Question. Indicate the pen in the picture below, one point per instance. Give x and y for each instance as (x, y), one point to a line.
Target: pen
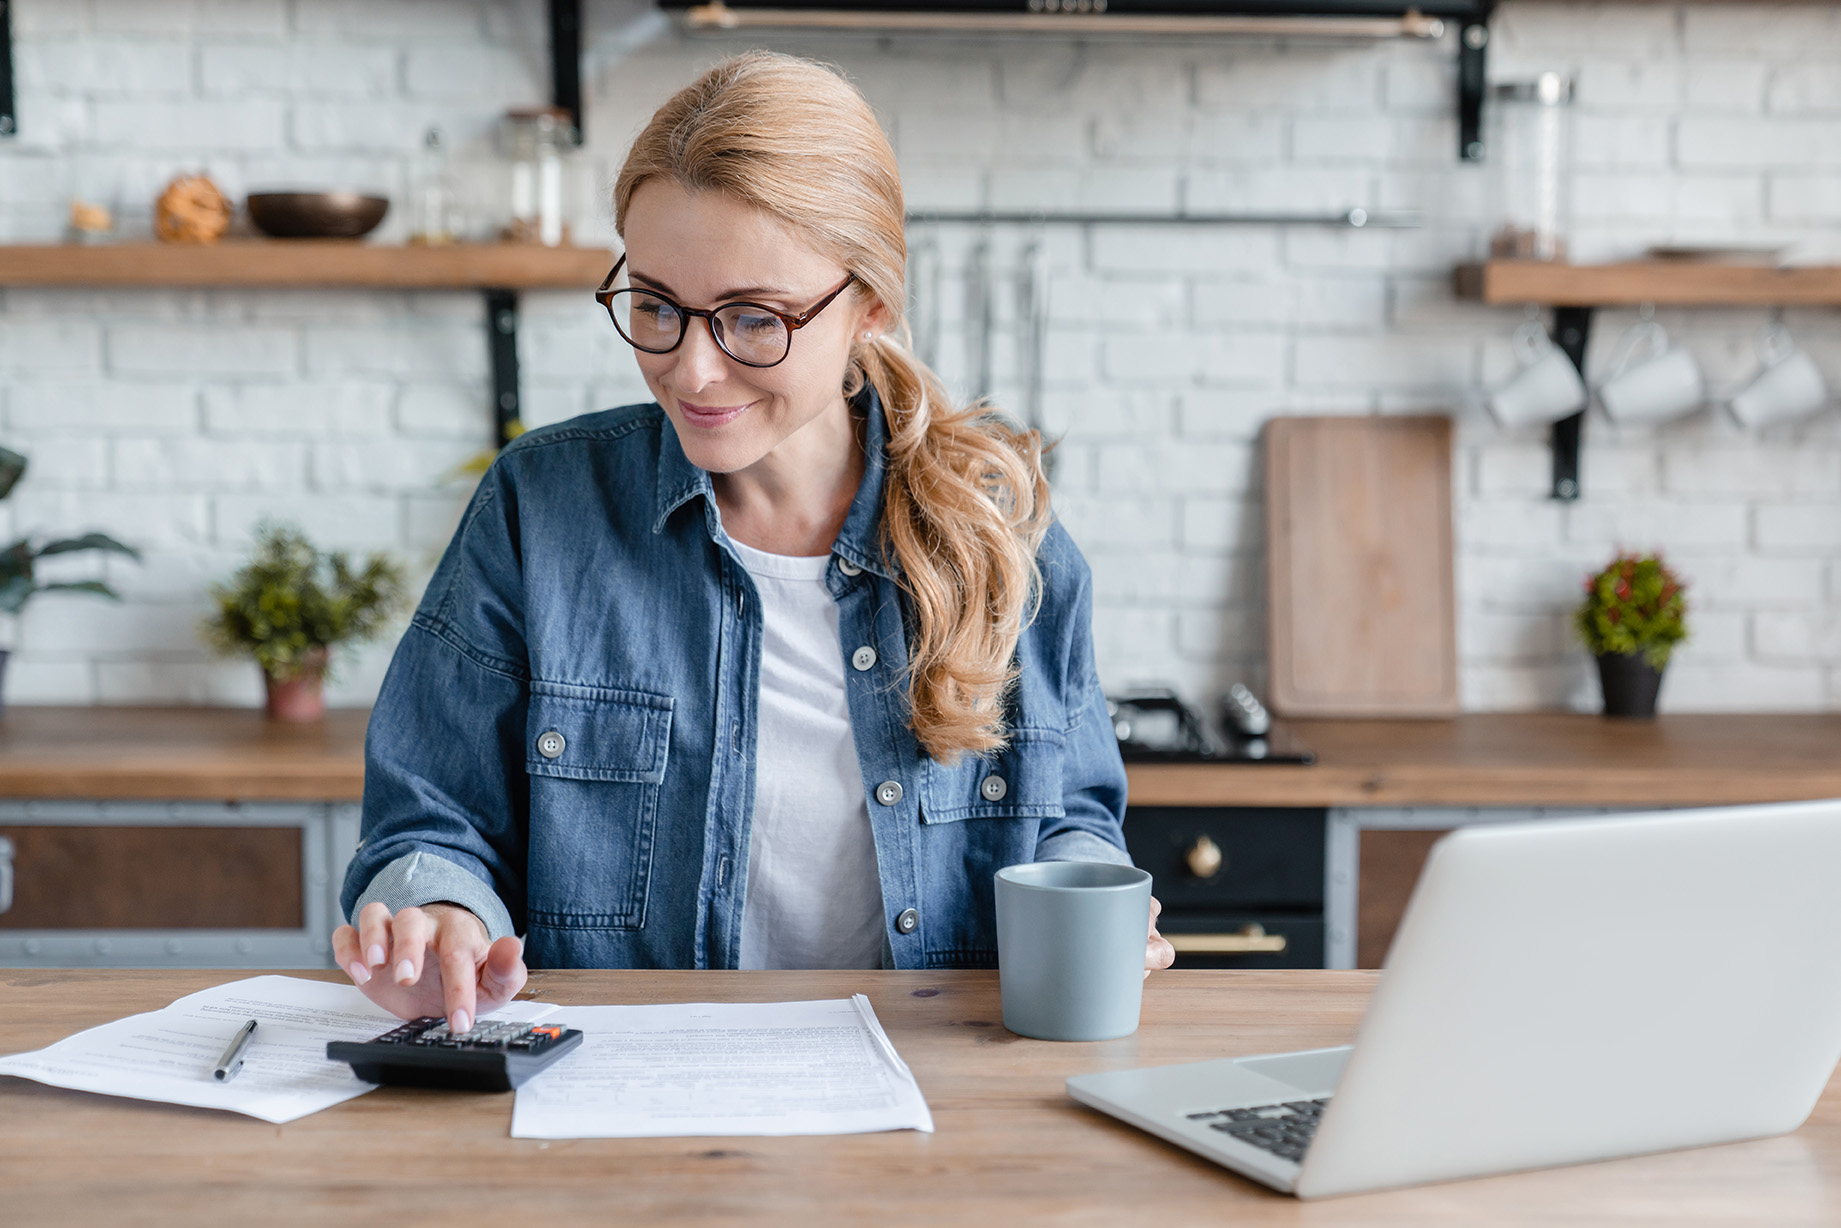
(232, 1061)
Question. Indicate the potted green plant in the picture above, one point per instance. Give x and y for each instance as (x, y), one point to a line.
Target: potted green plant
(291, 604)
(19, 580)
(1633, 615)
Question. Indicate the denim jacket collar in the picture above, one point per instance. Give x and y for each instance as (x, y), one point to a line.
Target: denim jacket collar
(680, 481)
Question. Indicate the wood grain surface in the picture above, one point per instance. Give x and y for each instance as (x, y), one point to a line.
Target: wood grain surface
(182, 754)
(147, 877)
(1010, 1148)
(1526, 759)
(1663, 282)
(1506, 759)
(1362, 615)
(306, 262)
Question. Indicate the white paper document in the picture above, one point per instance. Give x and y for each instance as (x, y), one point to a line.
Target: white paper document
(169, 1054)
(723, 1068)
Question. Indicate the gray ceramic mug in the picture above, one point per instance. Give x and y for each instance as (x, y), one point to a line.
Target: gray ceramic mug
(1070, 948)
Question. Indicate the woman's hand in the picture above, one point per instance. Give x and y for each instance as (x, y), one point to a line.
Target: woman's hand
(1158, 953)
(432, 960)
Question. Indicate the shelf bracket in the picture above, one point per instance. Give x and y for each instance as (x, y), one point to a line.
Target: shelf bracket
(9, 113)
(502, 344)
(1472, 57)
(566, 60)
(1572, 328)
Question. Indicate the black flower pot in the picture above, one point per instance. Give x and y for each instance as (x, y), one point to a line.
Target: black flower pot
(1630, 684)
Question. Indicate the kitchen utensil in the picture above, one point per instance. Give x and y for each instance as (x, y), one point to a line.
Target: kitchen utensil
(1789, 386)
(1361, 608)
(1664, 386)
(316, 215)
(1546, 388)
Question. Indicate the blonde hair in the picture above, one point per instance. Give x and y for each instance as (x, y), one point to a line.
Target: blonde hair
(965, 499)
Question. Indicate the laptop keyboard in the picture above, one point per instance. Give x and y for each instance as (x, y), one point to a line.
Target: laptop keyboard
(1283, 1129)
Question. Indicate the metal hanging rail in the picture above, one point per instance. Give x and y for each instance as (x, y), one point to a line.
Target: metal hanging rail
(1355, 219)
(1077, 17)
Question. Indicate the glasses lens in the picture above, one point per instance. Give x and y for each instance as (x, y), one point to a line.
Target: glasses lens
(752, 335)
(648, 321)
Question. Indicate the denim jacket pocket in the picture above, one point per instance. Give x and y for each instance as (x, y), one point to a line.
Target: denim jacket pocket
(1021, 781)
(596, 759)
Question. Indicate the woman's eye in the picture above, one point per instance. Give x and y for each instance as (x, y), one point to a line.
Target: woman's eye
(655, 311)
(755, 324)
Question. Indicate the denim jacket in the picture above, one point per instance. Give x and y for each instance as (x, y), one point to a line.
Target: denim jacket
(564, 742)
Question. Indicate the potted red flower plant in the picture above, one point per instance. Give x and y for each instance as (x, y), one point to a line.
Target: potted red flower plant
(1633, 615)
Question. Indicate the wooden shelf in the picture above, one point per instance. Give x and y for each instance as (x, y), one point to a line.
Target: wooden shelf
(1664, 283)
(326, 263)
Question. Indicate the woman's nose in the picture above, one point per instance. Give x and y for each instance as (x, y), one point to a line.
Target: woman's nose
(701, 361)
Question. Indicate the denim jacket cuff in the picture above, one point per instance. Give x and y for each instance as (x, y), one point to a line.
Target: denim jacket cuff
(1081, 846)
(424, 878)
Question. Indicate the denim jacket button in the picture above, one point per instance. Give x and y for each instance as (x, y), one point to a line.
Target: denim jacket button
(551, 744)
(888, 793)
(908, 921)
(847, 567)
(863, 658)
(994, 788)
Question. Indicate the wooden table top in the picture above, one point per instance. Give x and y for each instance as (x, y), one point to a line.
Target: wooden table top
(1009, 1146)
(1518, 759)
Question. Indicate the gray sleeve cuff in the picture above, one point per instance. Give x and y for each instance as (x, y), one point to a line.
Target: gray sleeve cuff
(424, 878)
(1081, 846)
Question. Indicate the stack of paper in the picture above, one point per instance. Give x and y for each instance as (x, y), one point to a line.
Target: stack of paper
(642, 1071)
(169, 1054)
(723, 1068)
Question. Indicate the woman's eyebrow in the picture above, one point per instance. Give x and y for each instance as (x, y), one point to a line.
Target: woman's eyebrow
(725, 296)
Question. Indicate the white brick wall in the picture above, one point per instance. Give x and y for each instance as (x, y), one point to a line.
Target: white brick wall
(176, 419)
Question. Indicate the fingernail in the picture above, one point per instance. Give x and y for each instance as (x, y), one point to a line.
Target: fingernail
(405, 973)
(359, 972)
(459, 1022)
(375, 955)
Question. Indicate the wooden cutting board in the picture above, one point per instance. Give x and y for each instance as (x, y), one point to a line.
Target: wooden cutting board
(1360, 603)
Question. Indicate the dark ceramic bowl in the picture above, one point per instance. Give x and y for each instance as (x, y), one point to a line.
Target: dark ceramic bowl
(316, 215)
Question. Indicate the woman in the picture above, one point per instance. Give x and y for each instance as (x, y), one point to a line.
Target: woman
(774, 673)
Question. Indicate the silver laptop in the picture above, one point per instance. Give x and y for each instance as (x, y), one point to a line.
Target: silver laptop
(1558, 992)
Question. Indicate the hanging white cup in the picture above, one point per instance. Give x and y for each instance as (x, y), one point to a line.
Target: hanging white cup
(1663, 386)
(1546, 389)
(1789, 386)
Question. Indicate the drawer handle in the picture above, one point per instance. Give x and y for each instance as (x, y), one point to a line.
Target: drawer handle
(1251, 940)
(1204, 858)
(6, 874)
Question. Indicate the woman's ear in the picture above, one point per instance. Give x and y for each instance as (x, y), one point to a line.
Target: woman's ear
(874, 319)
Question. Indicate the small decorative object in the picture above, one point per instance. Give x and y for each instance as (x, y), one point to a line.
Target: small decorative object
(538, 145)
(1528, 133)
(291, 604)
(1633, 616)
(316, 215)
(18, 581)
(90, 223)
(191, 210)
(431, 200)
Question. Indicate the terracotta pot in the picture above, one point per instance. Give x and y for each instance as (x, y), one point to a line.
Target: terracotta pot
(1630, 685)
(301, 697)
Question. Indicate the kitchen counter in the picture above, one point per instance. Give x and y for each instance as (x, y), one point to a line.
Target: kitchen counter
(1510, 759)
(1525, 759)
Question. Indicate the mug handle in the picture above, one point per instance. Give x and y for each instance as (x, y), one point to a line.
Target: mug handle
(1774, 344)
(1531, 341)
(1637, 334)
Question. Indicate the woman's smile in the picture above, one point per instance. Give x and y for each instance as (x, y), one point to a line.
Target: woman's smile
(711, 416)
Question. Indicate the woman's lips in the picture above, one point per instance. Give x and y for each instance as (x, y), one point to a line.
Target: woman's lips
(711, 415)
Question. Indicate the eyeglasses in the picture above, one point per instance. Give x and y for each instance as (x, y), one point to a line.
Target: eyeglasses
(751, 333)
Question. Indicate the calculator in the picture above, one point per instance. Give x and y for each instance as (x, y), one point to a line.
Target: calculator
(488, 1057)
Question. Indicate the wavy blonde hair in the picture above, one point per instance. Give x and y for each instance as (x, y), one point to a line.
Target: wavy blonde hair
(965, 499)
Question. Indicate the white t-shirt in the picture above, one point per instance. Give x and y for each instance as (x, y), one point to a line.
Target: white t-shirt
(814, 896)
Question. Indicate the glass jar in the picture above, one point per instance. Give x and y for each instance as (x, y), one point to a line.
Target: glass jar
(432, 216)
(538, 147)
(1528, 138)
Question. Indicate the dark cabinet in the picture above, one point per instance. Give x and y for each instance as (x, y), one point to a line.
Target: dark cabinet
(1241, 887)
